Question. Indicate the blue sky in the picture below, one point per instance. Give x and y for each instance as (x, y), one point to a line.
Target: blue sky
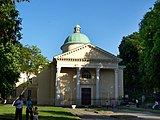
(47, 23)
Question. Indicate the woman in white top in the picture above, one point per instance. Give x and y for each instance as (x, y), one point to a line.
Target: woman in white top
(19, 106)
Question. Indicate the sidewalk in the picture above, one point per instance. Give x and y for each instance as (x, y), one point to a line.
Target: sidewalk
(122, 114)
(90, 114)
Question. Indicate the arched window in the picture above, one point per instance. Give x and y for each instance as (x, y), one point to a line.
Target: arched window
(86, 74)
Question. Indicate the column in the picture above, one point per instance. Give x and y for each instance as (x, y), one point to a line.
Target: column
(63, 98)
(57, 103)
(97, 87)
(78, 86)
(122, 85)
(71, 95)
(116, 83)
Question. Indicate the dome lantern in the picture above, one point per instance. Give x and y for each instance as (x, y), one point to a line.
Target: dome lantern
(77, 29)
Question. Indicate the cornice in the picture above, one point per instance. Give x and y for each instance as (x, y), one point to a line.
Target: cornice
(86, 60)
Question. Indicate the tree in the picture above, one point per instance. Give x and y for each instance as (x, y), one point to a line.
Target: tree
(9, 22)
(129, 50)
(150, 33)
(32, 60)
(10, 67)
(9, 46)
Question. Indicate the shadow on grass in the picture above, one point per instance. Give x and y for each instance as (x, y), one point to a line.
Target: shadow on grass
(62, 115)
(55, 118)
(58, 112)
(9, 117)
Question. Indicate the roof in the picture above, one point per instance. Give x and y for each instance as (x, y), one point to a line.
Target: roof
(77, 37)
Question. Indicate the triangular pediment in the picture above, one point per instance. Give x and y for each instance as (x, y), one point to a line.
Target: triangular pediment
(88, 51)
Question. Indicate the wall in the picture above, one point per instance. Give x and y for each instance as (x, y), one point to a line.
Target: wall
(107, 85)
(46, 79)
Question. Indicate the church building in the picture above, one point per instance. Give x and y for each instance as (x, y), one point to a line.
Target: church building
(82, 75)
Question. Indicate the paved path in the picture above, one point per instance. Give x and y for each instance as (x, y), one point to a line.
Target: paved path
(97, 114)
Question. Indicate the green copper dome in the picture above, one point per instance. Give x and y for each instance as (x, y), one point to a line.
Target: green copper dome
(77, 37)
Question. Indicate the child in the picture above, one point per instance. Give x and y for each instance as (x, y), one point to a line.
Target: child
(35, 113)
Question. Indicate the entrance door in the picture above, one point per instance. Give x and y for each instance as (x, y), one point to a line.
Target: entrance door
(86, 96)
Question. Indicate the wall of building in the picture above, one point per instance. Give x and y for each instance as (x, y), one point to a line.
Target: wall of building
(120, 87)
(107, 85)
(45, 91)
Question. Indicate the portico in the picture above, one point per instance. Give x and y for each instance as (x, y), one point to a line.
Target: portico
(92, 84)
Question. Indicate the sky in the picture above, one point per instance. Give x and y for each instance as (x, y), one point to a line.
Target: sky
(47, 23)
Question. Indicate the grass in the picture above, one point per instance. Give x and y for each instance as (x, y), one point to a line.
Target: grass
(45, 113)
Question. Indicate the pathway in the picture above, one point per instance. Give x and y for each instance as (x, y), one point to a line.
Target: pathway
(123, 114)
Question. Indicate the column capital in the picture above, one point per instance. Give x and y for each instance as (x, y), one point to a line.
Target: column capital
(97, 69)
(58, 67)
(116, 70)
(79, 68)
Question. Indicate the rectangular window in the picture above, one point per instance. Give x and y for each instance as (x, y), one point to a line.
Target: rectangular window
(24, 79)
(30, 79)
(29, 92)
(14, 93)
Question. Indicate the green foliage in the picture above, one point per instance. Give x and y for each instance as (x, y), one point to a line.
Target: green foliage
(9, 22)
(9, 46)
(150, 33)
(140, 53)
(10, 67)
(130, 49)
(22, 0)
(32, 60)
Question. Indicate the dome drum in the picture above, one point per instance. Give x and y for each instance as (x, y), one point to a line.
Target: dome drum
(68, 47)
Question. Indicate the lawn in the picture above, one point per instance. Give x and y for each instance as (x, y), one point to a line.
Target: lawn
(45, 113)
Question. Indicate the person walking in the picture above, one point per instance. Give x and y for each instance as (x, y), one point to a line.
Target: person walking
(107, 104)
(19, 106)
(113, 103)
(29, 109)
(137, 103)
